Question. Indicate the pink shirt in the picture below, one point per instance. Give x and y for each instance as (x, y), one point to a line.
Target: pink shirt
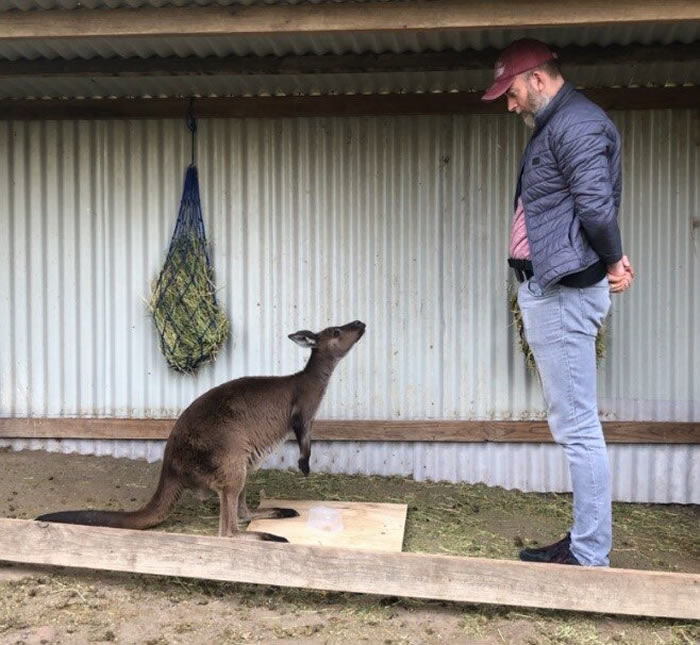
(519, 249)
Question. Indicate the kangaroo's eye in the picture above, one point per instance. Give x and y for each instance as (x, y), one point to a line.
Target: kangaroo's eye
(336, 333)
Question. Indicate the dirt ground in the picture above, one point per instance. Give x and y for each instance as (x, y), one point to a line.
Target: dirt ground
(59, 605)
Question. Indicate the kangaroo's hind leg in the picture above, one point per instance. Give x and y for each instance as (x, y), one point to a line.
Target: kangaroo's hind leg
(245, 514)
(229, 495)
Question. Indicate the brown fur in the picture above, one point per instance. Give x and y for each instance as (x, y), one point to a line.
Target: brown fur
(224, 434)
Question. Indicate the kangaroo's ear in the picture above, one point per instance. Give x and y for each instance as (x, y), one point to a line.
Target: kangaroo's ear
(305, 338)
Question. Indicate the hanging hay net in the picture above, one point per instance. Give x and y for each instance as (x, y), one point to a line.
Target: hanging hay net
(191, 326)
(600, 341)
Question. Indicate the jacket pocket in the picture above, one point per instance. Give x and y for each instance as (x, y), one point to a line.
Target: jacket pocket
(577, 237)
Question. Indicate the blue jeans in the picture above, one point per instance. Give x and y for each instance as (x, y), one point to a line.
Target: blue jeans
(561, 324)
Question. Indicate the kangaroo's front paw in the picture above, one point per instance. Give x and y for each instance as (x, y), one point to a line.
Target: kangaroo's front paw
(304, 465)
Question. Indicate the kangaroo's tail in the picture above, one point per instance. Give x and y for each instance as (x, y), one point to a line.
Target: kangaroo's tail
(153, 513)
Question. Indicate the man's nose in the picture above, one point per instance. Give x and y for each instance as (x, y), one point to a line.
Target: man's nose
(512, 104)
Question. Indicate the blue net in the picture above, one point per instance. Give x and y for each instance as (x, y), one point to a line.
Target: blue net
(189, 321)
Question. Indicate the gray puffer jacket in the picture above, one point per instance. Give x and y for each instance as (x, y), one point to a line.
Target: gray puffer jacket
(570, 182)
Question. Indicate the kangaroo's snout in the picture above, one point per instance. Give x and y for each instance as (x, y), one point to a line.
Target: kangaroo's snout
(347, 335)
(355, 327)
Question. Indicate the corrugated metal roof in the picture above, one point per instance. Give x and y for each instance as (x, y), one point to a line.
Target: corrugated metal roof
(335, 44)
(319, 44)
(345, 43)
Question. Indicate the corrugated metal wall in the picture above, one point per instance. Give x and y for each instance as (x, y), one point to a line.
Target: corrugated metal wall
(654, 366)
(401, 222)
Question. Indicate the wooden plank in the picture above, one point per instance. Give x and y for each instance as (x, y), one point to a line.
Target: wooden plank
(498, 431)
(244, 107)
(247, 107)
(413, 575)
(366, 63)
(358, 430)
(645, 98)
(637, 98)
(84, 428)
(432, 430)
(349, 525)
(329, 18)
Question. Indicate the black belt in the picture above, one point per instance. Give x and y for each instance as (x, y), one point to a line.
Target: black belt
(522, 268)
(585, 278)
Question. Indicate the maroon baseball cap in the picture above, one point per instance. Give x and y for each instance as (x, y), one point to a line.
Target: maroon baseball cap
(520, 56)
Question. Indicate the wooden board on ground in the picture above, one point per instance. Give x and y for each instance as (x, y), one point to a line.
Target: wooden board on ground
(411, 575)
(353, 525)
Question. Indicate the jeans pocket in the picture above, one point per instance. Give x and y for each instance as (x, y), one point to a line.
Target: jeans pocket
(533, 288)
(537, 292)
(595, 302)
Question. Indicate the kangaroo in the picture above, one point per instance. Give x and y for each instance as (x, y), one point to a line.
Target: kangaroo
(226, 433)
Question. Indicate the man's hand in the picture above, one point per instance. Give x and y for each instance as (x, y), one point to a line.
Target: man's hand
(620, 275)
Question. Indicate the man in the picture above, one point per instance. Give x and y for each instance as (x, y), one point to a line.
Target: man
(567, 254)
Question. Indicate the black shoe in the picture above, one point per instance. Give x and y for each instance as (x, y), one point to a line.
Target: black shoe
(552, 553)
(566, 558)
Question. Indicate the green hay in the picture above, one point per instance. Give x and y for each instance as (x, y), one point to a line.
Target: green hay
(600, 341)
(191, 326)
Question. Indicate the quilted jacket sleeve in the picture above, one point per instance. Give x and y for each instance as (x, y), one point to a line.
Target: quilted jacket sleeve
(586, 152)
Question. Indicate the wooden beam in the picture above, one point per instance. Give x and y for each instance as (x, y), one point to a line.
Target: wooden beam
(637, 98)
(330, 18)
(645, 98)
(359, 430)
(245, 107)
(497, 431)
(413, 575)
(85, 428)
(367, 63)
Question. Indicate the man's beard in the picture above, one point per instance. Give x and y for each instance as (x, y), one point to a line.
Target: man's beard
(535, 103)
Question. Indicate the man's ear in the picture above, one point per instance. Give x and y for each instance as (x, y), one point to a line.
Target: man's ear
(537, 80)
